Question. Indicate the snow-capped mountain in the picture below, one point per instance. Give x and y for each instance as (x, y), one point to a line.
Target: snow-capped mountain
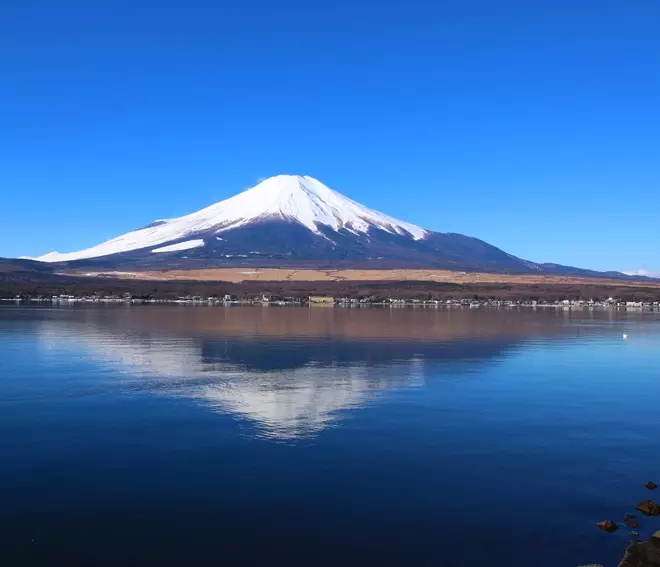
(294, 220)
(294, 198)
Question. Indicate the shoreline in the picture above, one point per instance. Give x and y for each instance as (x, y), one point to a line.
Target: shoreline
(345, 303)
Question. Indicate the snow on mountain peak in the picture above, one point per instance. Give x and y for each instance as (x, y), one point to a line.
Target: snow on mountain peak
(309, 202)
(296, 198)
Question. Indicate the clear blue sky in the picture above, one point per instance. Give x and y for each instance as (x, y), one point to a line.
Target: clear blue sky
(534, 125)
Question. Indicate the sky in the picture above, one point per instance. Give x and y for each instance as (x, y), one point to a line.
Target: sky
(534, 125)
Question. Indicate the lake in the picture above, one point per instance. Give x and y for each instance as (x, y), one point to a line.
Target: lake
(178, 435)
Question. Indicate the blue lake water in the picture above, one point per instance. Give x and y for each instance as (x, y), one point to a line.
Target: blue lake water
(178, 435)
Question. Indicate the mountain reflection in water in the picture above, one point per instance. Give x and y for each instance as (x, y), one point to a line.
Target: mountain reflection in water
(290, 371)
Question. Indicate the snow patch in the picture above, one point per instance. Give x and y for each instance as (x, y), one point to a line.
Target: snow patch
(644, 273)
(187, 245)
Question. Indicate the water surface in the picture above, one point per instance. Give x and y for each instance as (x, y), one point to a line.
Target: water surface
(176, 435)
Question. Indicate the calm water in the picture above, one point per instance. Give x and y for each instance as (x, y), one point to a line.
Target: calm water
(258, 436)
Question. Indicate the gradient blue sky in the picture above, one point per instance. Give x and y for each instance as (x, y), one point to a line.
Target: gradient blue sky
(534, 125)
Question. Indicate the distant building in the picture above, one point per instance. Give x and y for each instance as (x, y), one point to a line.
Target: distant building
(321, 300)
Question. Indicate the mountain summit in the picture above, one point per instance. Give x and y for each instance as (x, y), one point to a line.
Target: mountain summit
(307, 201)
(292, 220)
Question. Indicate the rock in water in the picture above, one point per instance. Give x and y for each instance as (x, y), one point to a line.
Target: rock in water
(630, 523)
(648, 508)
(642, 554)
(651, 485)
(656, 536)
(607, 525)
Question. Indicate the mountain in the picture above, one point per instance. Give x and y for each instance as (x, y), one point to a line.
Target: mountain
(292, 220)
(23, 265)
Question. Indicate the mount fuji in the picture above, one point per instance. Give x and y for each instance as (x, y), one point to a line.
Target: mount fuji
(292, 220)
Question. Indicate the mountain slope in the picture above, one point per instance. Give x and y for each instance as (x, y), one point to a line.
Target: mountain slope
(294, 198)
(291, 220)
(23, 266)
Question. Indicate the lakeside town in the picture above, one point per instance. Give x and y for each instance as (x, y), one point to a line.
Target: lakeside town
(329, 301)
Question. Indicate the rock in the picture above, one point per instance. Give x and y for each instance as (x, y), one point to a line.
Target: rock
(656, 535)
(634, 534)
(642, 554)
(651, 485)
(607, 525)
(592, 565)
(648, 508)
(630, 523)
